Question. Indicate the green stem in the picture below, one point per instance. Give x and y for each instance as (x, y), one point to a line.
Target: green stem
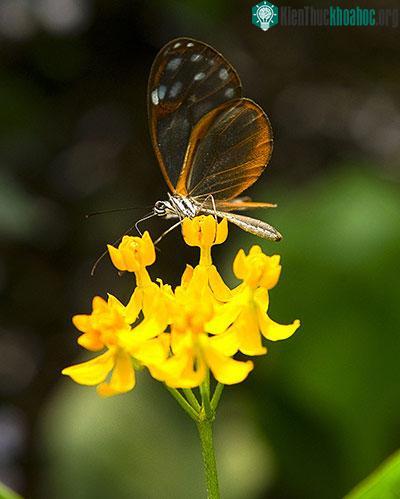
(191, 397)
(216, 396)
(183, 403)
(207, 449)
(204, 416)
(205, 397)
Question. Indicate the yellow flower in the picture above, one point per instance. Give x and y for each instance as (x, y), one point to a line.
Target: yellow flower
(240, 323)
(193, 351)
(208, 323)
(134, 254)
(204, 232)
(256, 268)
(95, 371)
(99, 327)
(108, 327)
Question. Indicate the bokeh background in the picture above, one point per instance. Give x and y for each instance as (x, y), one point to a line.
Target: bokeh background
(322, 409)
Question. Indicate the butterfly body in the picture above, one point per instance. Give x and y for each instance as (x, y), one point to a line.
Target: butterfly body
(211, 143)
(181, 207)
(177, 207)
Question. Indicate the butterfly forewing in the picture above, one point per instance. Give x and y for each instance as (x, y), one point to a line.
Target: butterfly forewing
(229, 149)
(188, 79)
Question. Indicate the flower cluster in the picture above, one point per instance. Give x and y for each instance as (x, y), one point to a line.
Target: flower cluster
(180, 335)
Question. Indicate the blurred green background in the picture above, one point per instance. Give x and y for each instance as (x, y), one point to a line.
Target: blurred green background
(322, 409)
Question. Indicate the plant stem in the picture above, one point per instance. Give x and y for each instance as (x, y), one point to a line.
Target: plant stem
(204, 416)
(183, 403)
(216, 396)
(205, 397)
(191, 398)
(207, 449)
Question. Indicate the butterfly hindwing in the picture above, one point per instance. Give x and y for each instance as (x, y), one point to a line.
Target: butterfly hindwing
(188, 79)
(229, 149)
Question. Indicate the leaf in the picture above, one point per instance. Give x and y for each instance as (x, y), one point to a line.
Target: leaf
(384, 482)
(6, 493)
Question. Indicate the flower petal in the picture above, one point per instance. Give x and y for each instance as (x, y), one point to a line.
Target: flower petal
(199, 280)
(81, 322)
(274, 331)
(132, 340)
(190, 377)
(115, 304)
(154, 351)
(116, 257)
(171, 368)
(224, 316)
(148, 251)
(123, 375)
(227, 343)
(225, 369)
(208, 228)
(261, 298)
(217, 285)
(239, 264)
(190, 231)
(134, 305)
(248, 333)
(270, 329)
(272, 273)
(187, 276)
(93, 371)
(91, 342)
(130, 253)
(184, 370)
(222, 231)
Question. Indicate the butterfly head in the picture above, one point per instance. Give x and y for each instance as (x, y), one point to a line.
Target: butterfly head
(161, 208)
(176, 207)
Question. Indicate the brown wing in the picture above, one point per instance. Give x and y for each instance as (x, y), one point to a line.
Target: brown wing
(187, 80)
(228, 150)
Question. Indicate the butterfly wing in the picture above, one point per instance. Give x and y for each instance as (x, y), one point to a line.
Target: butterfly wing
(228, 150)
(239, 205)
(187, 80)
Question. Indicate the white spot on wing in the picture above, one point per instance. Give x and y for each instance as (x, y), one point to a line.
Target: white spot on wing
(162, 89)
(223, 74)
(173, 64)
(229, 92)
(176, 45)
(190, 44)
(196, 57)
(199, 76)
(175, 89)
(154, 97)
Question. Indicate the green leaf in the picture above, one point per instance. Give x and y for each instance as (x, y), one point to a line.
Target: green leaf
(6, 493)
(383, 483)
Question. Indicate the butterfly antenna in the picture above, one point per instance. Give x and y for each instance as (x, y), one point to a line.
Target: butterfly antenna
(106, 251)
(114, 210)
(149, 215)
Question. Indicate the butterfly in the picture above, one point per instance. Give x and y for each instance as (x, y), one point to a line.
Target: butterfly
(211, 143)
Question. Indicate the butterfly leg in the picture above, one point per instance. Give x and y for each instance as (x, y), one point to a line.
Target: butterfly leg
(146, 217)
(210, 196)
(137, 228)
(214, 208)
(167, 231)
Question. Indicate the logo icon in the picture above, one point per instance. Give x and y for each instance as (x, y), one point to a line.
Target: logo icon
(264, 15)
